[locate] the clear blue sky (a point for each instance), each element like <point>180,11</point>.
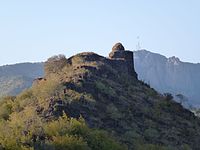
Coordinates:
<point>35,30</point>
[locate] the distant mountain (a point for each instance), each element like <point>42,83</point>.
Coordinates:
<point>169,74</point>
<point>15,78</point>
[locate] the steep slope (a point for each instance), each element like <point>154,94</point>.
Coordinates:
<point>169,74</point>
<point>108,95</point>
<point>16,78</point>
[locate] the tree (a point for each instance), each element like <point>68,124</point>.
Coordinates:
<point>55,64</point>
<point>168,96</point>
<point>182,99</point>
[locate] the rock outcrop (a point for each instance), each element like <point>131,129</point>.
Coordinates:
<point>123,58</point>
<point>118,47</point>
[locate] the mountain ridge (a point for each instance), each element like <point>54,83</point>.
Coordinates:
<point>17,77</point>
<point>169,74</point>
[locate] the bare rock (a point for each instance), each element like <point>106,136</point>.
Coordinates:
<point>118,47</point>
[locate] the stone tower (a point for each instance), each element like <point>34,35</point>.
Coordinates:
<point>125,56</point>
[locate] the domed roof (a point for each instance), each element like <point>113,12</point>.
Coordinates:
<point>118,47</point>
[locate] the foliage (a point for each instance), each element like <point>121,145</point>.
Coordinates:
<point>26,130</point>
<point>6,105</point>
<point>151,134</point>
<point>168,96</point>
<point>55,64</point>
<point>113,112</point>
<point>182,99</point>
<point>47,88</point>
<point>105,88</point>
<point>152,147</point>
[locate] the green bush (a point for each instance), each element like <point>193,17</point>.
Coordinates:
<point>151,134</point>
<point>113,112</point>
<point>26,130</point>
<point>55,64</point>
<point>68,143</point>
<point>48,88</point>
<point>105,88</point>
<point>6,106</point>
<point>152,147</point>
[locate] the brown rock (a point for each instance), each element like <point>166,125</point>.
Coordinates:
<point>118,47</point>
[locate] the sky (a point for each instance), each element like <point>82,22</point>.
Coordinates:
<point>34,30</point>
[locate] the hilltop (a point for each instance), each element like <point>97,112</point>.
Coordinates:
<point>110,107</point>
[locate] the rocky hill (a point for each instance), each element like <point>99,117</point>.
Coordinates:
<point>166,75</point>
<point>169,75</point>
<point>105,107</point>
<point>16,78</point>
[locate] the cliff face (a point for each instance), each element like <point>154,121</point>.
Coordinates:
<point>169,75</point>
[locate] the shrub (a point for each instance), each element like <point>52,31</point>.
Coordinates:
<point>6,106</point>
<point>152,147</point>
<point>48,88</point>
<point>113,112</point>
<point>68,143</point>
<point>105,88</point>
<point>168,96</point>
<point>55,64</point>
<point>151,134</point>
<point>26,130</point>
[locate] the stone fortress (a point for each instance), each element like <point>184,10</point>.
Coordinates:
<point>123,58</point>
<point>119,58</point>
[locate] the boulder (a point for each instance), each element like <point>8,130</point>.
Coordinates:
<point>118,47</point>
